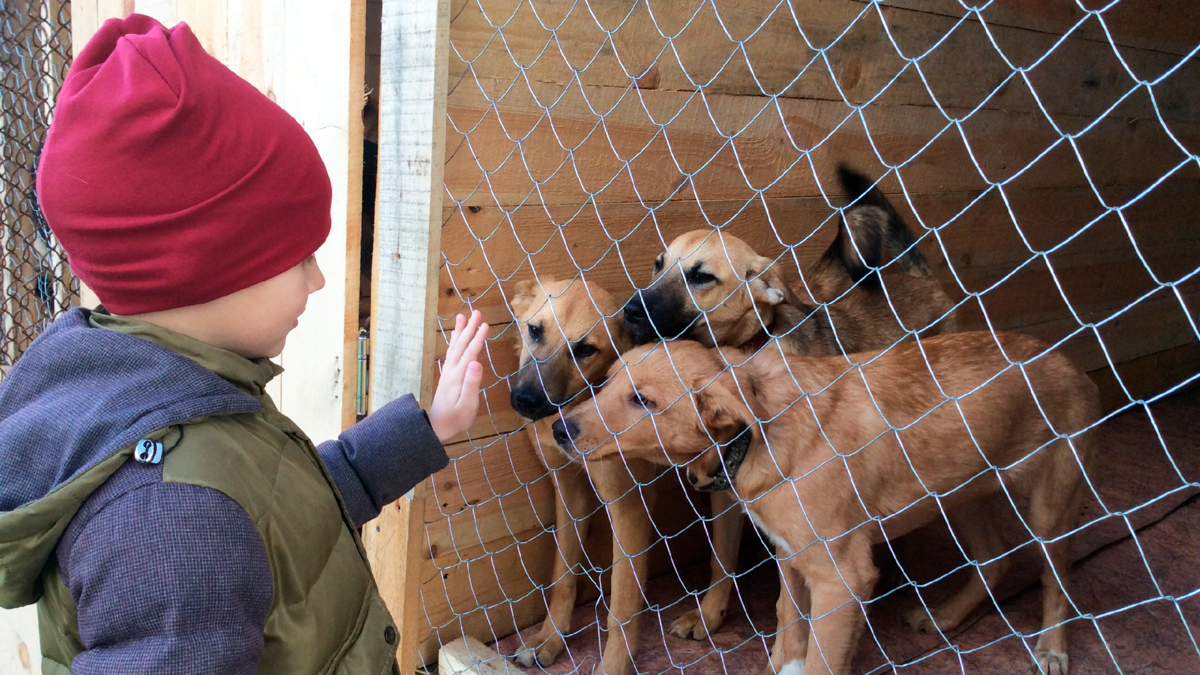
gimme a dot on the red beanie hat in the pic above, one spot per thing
(169, 180)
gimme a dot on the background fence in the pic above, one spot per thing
(1044, 153)
(37, 284)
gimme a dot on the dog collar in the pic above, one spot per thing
(732, 458)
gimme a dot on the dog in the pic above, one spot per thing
(715, 288)
(871, 288)
(829, 458)
(571, 335)
(563, 313)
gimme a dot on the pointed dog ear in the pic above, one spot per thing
(766, 283)
(524, 293)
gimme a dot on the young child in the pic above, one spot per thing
(164, 515)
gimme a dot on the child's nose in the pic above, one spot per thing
(316, 280)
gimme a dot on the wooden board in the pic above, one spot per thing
(468, 656)
(759, 49)
(414, 39)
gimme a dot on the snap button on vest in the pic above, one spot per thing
(389, 635)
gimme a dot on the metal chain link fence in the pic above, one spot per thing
(1045, 158)
(35, 39)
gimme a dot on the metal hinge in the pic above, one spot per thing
(363, 376)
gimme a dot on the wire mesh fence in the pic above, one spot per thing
(37, 284)
(822, 179)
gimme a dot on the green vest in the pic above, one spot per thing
(326, 613)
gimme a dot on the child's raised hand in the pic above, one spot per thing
(456, 400)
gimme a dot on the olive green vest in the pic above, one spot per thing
(326, 613)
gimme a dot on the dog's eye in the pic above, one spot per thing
(658, 263)
(535, 333)
(583, 350)
(639, 400)
(698, 278)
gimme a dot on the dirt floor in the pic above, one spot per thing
(1136, 582)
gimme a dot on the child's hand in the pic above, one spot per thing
(457, 397)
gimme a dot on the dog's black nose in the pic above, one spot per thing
(635, 311)
(526, 401)
(564, 432)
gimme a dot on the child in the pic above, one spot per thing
(162, 513)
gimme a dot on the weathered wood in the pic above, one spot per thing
(414, 38)
(468, 656)
(759, 49)
(1146, 377)
(1171, 26)
(662, 145)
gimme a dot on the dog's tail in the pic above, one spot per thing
(872, 232)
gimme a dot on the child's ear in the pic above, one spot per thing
(524, 293)
(766, 283)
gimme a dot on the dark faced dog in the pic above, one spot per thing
(829, 459)
(713, 288)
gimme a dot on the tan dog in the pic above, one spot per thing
(715, 288)
(829, 459)
(571, 336)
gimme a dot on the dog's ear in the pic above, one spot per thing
(766, 282)
(722, 411)
(524, 293)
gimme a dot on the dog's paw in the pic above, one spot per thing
(795, 667)
(1050, 662)
(690, 626)
(541, 657)
(920, 620)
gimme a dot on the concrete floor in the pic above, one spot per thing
(1136, 582)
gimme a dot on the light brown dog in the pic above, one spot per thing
(554, 373)
(715, 288)
(830, 458)
(572, 334)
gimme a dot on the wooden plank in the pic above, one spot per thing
(414, 38)
(661, 145)
(491, 489)
(1148, 376)
(354, 209)
(762, 48)
(468, 656)
(487, 596)
(1171, 26)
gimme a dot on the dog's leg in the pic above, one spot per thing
(629, 497)
(791, 629)
(977, 534)
(576, 504)
(839, 581)
(728, 520)
(1056, 504)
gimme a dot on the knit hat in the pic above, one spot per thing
(169, 180)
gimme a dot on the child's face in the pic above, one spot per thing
(253, 322)
(262, 316)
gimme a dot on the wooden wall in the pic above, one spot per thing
(578, 152)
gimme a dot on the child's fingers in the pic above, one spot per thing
(455, 350)
(475, 346)
(469, 394)
(460, 322)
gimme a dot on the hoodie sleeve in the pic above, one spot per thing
(169, 578)
(382, 457)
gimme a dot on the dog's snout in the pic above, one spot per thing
(565, 432)
(635, 311)
(525, 400)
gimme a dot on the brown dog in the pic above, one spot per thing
(571, 336)
(715, 288)
(829, 459)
